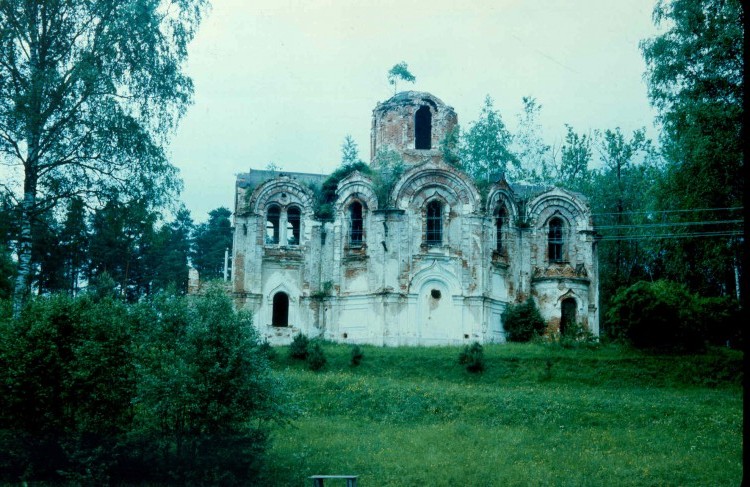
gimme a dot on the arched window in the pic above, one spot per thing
(567, 315)
(272, 224)
(292, 226)
(280, 309)
(555, 240)
(500, 220)
(356, 224)
(434, 234)
(423, 128)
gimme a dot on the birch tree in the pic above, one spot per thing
(89, 93)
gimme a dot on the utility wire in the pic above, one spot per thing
(677, 224)
(656, 212)
(610, 238)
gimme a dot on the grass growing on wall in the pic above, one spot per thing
(538, 415)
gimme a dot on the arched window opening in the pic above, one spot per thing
(280, 309)
(555, 240)
(434, 234)
(500, 219)
(272, 224)
(356, 224)
(292, 226)
(567, 315)
(423, 128)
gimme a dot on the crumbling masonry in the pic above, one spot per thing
(435, 264)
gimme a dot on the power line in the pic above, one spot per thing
(655, 212)
(730, 233)
(676, 224)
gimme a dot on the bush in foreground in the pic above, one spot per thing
(298, 349)
(316, 359)
(171, 390)
(357, 356)
(522, 322)
(665, 315)
(472, 356)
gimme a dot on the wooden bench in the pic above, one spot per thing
(351, 480)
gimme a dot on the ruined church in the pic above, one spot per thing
(432, 262)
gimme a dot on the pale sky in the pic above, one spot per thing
(284, 81)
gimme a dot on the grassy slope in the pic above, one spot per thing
(539, 415)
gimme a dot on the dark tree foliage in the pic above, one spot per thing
(170, 390)
(316, 358)
(665, 315)
(122, 237)
(67, 376)
(327, 193)
(7, 272)
(357, 356)
(89, 93)
(47, 264)
(695, 77)
(522, 321)
(170, 254)
(299, 347)
(74, 241)
(211, 240)
(472, 357)
(205, 391)
(658, 315)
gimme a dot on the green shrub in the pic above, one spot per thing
(722, 320)
(67, 381)
(472, 356)
(316, 359)
(266, 349)
(298, 349)
(357, 356)
(205, 392)
(577, 336)
(168, 391)
(522, 322)
(326, 195)
(7, 272)
(661, 315)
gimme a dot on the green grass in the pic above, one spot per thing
(539, 415)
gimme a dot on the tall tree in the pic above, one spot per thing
(121, 242)
(695, 77)
(485, 146)
(212, 239)
(7, 236)
(349, 152)
(47, 262)
(74, 239)
(534, 155)
(620, 157)
(89, 91)
(575, 156)
(170, 253)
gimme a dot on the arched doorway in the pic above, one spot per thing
(567, 315)
(280, 315)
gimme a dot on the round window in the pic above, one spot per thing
(435, 293)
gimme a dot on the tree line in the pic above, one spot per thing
(128, 243)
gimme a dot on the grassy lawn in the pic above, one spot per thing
(538, 415)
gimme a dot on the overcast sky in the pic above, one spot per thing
(284, 81)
